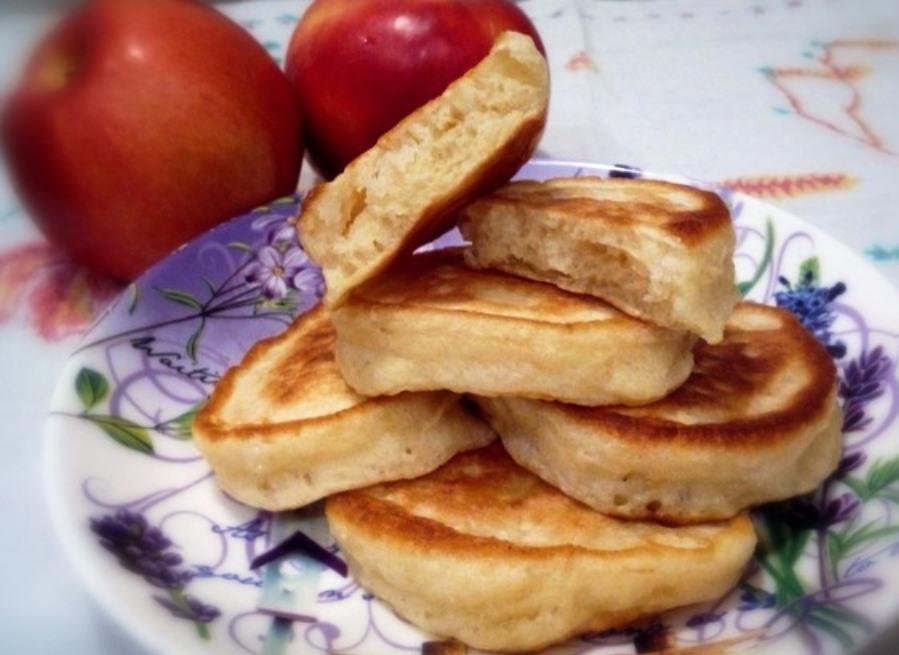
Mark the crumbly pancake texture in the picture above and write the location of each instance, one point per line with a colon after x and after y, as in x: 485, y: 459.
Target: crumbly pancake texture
x: 656, y: 250
x: 409, y: 186
x: 757, y: 421
x: 433, y: 323
x: 483, y: 551
x: 282, y: 429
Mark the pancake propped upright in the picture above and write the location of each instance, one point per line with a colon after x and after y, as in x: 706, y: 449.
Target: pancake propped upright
x: 433, y: 323
x: 408, y: 187
x: 482, y: 551
x: 283, y: 429
x: 659, y: 251
x: 757, y: 421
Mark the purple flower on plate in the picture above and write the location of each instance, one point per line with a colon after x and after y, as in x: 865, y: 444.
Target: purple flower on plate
x: 704, y: 618
x: 144, y: 549
x: 309, y: 282
x: 281, y: 230
x: 275, y: 270
x: 190, y: 608
x: 848, y: 464
x: 285, y: 231
x: 265, y: 221
x: 756, y: 599
x: 141, y: 548
x: 811, y: 305
x: 862, y: 381
x: 803, y: 514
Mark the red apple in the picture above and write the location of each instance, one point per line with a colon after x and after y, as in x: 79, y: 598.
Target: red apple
x: 359, y: 67
x: 140, y: 123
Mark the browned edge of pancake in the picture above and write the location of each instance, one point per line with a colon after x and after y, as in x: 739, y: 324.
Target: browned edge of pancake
x: 412, y: 267
x: 690, y: 226
x: 811, y: 404
x: 384, y: 518
x: 321, y: 346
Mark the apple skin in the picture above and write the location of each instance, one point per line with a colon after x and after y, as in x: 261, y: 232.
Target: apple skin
x: 139, y: 124
x: 359, y: 67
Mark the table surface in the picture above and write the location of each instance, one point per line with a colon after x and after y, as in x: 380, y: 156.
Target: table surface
x: 793, y: 101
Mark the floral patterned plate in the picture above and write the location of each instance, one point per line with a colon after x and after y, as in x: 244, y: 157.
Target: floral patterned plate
x: 171, y: 557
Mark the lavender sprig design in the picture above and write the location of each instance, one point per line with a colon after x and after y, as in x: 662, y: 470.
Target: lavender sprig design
x: 804, y: 513
x: 754, y: 598
x: 863, y: 380
x: 145, y: 550
x: 834, y: 523
x: 811, y: 304
x: 849, y: 463
x: 191, y: 608
x: 790, y: 526
x: 271, y: 281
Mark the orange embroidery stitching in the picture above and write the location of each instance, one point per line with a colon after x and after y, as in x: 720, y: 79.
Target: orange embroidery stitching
x: 790, y: 186
x: 61, y: 298
x: 828, y: 68
x: 581, y: 61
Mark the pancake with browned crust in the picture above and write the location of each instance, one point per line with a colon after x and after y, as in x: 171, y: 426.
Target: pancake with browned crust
x: 656, y: 250
x: 433, y: 323
x: 757, y: 421
x: 282, y: 429
x: 408, y: 187
x: 483, y: 551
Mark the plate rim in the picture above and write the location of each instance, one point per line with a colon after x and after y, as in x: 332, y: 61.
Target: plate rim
x: 75, y: 547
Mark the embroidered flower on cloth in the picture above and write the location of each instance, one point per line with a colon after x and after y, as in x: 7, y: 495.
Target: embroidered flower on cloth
x: 57, y: 297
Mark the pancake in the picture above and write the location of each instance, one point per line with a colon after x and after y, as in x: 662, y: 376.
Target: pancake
x: 757, y: 421
x: 408, y: 187
x: 482, y: 551
x: 282, y: 429
x: 433, y: 323
x: 659, y: 251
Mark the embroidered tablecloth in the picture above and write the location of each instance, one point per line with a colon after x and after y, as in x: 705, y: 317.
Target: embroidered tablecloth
x: 794, y: 101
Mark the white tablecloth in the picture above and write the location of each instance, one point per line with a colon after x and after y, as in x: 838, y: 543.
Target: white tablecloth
x: 792, y: 100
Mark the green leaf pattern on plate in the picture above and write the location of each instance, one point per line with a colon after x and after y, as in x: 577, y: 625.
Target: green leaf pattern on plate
x: 91, y: 387
x: 181, y: 297
x: 124, y: 431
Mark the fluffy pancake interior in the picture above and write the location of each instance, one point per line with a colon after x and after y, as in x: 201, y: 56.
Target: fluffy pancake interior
x: 407, y: 188
x: 656, y: 250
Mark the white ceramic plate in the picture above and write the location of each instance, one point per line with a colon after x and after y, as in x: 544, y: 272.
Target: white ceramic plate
x: 169, y: 555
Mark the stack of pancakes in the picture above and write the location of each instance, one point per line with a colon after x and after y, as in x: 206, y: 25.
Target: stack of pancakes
x: 591, y: 324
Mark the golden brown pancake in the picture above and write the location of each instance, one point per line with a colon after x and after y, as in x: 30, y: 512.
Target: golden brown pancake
x: 408, y: 187
x: 282, y: 429
x: 757, y: 421
x: 433, y: 323
x: 656, y: 250
x: 484, y: 552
